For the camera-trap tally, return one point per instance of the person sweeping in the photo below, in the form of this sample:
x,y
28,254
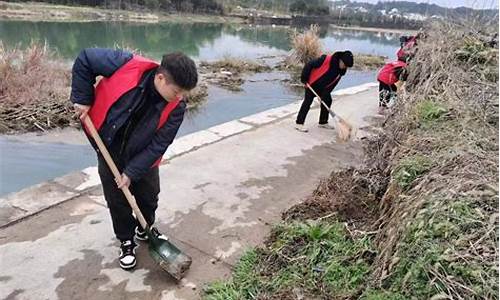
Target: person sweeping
x,y
321,76
137,109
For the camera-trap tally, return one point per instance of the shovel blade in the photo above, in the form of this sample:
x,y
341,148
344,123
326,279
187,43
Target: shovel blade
x,y
168,256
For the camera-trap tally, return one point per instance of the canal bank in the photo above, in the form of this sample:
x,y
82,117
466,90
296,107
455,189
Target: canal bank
x,y
230,181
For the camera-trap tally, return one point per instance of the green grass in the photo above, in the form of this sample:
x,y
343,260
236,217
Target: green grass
x,y
315,257
429,111
432,255
371,294
411,168
243,284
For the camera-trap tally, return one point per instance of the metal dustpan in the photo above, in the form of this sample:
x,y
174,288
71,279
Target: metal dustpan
x,y
163,252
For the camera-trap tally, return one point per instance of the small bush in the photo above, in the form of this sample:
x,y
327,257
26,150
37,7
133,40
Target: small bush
x,y
306,46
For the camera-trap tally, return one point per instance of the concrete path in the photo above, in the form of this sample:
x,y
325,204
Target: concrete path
x,y
221,190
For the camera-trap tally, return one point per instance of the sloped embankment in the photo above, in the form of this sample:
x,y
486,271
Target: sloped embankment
x,y
421,220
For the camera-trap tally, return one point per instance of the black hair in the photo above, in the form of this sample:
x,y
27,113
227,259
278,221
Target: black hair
x,y
181,69
346,57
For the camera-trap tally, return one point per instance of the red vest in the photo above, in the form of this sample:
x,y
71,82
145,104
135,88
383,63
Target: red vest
x,y
401,53
387,74
408,45
109,90
318,72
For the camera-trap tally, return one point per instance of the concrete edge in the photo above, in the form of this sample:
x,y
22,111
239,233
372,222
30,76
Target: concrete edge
x,y
35,199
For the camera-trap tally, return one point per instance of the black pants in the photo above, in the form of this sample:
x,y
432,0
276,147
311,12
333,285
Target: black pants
x,y
145,192
306,105
385,92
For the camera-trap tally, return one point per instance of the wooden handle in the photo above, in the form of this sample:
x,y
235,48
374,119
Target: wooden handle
x,y
321,101
111,164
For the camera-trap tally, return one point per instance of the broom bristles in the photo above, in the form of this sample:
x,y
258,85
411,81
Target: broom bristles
x,y
344,129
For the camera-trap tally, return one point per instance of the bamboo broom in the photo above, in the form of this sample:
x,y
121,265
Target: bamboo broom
x,y
343,128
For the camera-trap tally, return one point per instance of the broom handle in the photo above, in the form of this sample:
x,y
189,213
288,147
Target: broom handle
x,y
111,164
321,101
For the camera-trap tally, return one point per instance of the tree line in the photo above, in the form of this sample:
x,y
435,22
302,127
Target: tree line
x,y
168,6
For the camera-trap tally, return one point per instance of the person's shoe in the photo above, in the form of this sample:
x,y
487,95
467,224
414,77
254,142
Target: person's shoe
x,y
140,234
326,126
301,128
127,254
157,234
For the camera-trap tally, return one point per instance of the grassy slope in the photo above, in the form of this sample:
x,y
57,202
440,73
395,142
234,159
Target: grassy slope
x,y
421,221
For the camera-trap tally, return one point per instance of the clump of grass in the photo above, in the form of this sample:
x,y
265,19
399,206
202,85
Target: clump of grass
x,y
368,62
228,72
428,111
409,169
235,66
307,45
370,294
313,257
244,283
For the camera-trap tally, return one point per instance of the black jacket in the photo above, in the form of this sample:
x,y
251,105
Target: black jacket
x,y
129,130
323,84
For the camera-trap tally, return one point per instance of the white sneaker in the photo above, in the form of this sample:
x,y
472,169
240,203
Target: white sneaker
x,y
301,128
127,254
157,234
326,126
140,234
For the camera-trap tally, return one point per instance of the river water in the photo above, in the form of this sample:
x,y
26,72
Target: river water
x,y
24,163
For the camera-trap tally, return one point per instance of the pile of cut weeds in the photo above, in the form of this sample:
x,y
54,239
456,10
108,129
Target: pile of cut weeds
x,y
348,196
228,72
35,90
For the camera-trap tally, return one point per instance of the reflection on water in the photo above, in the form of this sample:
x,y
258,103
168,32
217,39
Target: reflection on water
x,y
201,41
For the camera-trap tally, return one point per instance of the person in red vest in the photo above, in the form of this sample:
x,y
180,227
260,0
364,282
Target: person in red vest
x,y
323,74
137,108
387,78
408,47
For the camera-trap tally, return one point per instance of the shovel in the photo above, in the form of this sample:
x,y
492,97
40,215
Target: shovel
x,y
344,129
163,252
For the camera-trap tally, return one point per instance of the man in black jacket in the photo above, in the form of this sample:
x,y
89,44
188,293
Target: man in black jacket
x,y
323,74
137,108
